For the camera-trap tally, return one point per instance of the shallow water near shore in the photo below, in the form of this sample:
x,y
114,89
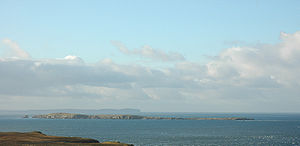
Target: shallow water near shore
x,y
266,129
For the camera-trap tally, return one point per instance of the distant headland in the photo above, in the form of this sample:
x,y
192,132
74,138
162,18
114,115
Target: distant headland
x,y
80,111
127,117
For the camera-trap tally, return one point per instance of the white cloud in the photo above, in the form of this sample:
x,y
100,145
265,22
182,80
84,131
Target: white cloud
x,y
149,52
14,49
273,62
240,79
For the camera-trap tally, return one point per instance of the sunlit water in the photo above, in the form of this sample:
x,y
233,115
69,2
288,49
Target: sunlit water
x,y
267,129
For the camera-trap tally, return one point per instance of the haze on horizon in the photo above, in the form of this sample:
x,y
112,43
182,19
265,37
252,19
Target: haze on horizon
x,y
159,56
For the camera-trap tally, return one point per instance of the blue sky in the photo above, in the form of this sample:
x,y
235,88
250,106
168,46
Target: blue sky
x,y
53,29
171,55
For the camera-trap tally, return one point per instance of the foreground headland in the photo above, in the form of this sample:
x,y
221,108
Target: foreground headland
x,y
83,116
37,138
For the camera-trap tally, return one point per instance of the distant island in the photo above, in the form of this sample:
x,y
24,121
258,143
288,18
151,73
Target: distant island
x,y
79,111
127,117
37,138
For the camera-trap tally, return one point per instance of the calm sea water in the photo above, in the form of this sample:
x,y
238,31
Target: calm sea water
x,y
267,129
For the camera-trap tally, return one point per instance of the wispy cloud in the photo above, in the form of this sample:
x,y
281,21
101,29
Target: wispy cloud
x,y
149,52
15,50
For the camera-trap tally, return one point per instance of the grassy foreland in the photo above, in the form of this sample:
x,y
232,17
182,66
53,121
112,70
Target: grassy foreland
x,y
37,138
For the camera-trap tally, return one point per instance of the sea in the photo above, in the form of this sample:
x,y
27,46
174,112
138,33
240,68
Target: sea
x,y
277,129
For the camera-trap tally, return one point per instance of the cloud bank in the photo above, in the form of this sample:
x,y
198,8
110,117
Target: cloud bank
x,y
262,78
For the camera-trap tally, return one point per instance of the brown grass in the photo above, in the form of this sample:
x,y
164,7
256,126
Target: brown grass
x,y
39,139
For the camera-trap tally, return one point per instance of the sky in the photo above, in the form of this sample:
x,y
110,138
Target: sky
x,y
157,56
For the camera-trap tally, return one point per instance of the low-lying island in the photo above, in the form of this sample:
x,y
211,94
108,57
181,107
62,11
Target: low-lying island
x,y
127,117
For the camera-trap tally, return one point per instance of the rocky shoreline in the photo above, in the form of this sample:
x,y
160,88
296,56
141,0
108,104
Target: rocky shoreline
x,y
127,117
37,138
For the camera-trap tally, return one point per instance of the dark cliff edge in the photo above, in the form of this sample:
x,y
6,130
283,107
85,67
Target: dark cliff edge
x,y
37,138
127,117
